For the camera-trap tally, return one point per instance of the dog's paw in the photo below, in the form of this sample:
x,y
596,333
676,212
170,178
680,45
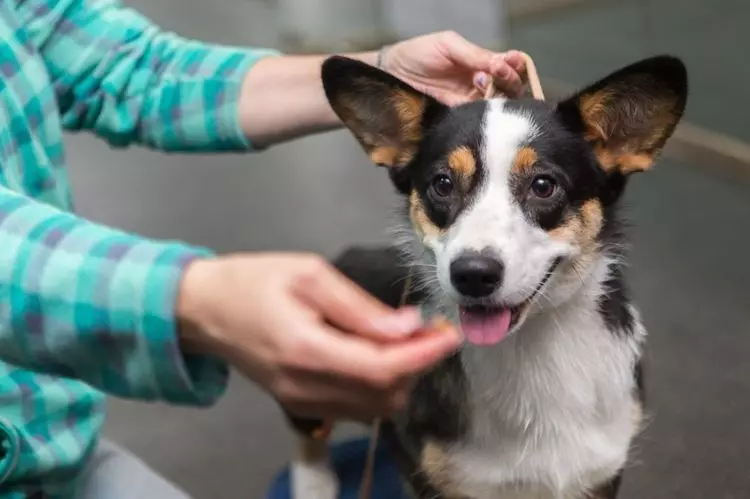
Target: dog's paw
x,y
313,480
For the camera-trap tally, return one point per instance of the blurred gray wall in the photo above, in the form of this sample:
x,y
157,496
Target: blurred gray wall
x,y
483,22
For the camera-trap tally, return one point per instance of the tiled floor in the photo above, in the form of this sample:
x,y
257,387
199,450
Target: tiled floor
x,y
689,269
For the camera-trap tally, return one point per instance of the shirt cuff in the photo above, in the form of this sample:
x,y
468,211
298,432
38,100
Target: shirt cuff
x,y
204,112
232,114
181,378
143,292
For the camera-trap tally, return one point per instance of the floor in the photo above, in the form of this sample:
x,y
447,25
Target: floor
x,y
689,273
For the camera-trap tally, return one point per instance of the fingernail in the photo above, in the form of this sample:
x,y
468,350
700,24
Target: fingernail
x,y
481,80
442,326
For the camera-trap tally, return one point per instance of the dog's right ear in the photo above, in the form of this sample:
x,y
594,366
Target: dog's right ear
x,y
387,116
628,116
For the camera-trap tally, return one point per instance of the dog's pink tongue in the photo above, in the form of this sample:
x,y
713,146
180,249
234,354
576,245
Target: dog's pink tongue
x,y
485,329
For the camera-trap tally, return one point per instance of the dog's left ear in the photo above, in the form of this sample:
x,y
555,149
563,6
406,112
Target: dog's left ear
x,y
628,116
387,116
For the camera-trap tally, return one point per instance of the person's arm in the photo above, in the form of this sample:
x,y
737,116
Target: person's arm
x,y
84,301
117,74
152,320
121,76
283,98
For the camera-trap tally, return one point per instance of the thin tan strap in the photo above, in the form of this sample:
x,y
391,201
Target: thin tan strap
x,y
531,76
365,487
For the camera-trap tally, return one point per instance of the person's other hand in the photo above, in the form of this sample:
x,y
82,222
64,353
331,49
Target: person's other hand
x,y
450,68
316,341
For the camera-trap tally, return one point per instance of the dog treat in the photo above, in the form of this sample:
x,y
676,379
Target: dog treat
x,y
323,432
440,324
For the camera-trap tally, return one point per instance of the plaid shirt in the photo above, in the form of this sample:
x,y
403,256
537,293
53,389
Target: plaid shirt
x,y
85,309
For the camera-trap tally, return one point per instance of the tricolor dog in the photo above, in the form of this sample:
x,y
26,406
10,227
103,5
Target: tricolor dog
x,y
511,229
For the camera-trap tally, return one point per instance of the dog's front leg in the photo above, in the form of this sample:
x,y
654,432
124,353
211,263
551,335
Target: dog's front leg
x,y
312,476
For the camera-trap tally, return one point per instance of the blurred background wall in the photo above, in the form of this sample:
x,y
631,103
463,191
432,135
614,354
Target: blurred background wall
x,y
691,215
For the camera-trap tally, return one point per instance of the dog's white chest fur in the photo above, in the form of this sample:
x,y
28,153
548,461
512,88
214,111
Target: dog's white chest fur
x,y
553,412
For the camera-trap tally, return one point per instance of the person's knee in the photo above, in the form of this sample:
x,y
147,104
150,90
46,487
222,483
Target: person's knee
x,y
115,473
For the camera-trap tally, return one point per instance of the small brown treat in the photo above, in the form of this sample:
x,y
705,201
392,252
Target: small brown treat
x,y
324,431
441,324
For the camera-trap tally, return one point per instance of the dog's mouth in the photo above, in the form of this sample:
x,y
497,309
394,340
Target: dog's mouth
x,y
486,325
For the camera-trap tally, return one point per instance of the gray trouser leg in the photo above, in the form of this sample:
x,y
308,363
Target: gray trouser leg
x,y
114,473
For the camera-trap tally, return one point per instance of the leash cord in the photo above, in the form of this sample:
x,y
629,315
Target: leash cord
x,y
367,474
532,77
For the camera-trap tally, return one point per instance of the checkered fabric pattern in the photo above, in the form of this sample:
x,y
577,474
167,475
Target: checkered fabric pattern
x,y
85,309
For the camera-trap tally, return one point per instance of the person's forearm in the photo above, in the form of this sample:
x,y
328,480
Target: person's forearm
x,y
283,98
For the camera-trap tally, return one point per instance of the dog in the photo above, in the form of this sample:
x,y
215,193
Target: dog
x,y
512,228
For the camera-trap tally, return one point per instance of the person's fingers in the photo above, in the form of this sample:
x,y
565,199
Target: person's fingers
x,y
505,70
481,83
349,307
516,61
379,365
318,395
466,54
423,351
507,79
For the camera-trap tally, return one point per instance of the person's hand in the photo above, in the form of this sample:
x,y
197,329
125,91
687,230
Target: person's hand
x,y
450,68
312,338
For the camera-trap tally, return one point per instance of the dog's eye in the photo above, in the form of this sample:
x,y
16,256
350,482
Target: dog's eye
x,y
543,187
442,185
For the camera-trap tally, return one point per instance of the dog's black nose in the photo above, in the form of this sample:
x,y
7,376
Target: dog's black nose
x,y
476,275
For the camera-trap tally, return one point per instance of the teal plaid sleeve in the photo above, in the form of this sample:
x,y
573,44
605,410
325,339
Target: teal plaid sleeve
x,y
118,75
83,301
